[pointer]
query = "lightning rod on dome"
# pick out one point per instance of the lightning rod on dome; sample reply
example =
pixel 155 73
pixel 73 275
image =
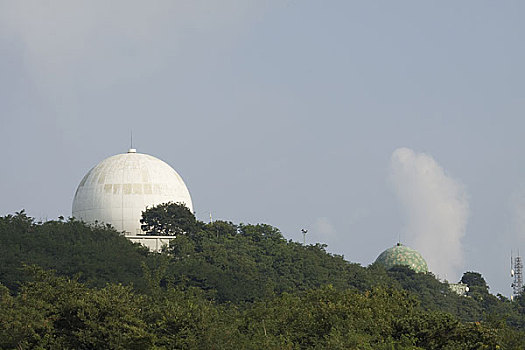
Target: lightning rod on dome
pixel 131 149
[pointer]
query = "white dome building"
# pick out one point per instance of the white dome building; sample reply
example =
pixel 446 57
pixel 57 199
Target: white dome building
pixel 119 188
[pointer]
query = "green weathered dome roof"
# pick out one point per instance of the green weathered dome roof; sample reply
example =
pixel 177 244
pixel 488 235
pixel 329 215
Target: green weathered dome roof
pixel 402 255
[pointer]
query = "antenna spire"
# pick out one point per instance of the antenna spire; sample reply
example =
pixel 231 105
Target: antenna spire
pixel 131 150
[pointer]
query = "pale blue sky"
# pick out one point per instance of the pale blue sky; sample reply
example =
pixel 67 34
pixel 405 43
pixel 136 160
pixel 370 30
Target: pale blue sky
pixel 283 112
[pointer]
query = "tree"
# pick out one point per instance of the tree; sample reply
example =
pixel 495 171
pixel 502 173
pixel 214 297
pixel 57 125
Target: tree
pixel 474 279
pixel 168 219
pixel 98 253
pixel 228 286
pixel 53 312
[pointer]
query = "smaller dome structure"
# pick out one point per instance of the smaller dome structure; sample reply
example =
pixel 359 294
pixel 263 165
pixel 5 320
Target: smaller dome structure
pixel 402 255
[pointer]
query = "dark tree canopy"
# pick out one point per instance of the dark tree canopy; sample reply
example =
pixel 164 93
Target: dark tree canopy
pixel 227 286
pixel 98 253
pixel 169 219
pixel 475 281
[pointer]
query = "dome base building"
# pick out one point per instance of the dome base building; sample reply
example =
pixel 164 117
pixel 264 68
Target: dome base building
pixel 118 189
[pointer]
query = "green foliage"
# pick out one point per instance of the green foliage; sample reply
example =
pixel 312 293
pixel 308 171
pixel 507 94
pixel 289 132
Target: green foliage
pixel 60 313
pixel 474 279
pixel 168 219
pixel 475 282
pixel 227 286
pixel 328 318
pixel 435 295
pixel 245 263
pixel 438 330
pixel 99 254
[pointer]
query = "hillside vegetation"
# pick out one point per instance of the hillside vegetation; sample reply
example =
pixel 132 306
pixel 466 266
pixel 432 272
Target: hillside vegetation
pixel 66 285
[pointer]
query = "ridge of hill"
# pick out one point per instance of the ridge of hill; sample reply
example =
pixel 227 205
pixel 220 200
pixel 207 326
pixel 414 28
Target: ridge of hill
pixel 246 274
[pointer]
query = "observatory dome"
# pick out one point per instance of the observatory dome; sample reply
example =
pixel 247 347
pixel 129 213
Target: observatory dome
pixel 119 188
pixel 402 255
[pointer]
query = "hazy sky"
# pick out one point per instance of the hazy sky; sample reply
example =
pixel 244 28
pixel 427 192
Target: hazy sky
pixel 361 121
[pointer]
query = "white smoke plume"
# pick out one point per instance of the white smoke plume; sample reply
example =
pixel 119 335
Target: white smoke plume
pixel 436 208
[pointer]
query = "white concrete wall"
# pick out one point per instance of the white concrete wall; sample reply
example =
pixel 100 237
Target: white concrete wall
pixel 153 243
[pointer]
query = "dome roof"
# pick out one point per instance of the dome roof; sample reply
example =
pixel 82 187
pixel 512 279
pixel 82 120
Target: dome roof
pixel 119 188
pixel 402 255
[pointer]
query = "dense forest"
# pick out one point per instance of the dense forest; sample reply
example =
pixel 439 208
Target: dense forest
pixel 220 285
